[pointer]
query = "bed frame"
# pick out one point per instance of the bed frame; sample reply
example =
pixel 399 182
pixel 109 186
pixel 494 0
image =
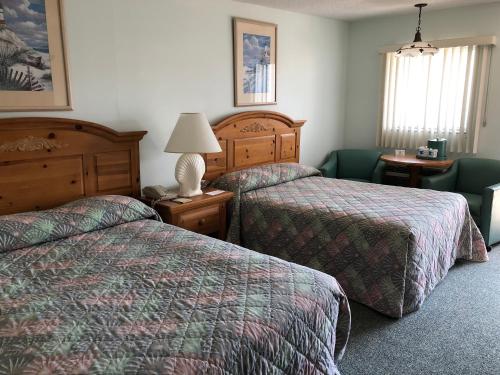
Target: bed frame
pixel 45 162
pixel 253 138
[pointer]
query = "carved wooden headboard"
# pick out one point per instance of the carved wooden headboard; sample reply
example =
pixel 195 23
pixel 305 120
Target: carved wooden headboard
pixel 45 162
pixel 253 138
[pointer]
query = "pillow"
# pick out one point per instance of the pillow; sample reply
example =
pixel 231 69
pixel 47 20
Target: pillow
pixel 85 215
pixel 263 176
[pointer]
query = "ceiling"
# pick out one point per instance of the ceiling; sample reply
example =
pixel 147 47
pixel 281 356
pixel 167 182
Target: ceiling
pixel 357 9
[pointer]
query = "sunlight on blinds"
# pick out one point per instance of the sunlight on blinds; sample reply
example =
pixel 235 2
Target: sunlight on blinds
pixel 435 96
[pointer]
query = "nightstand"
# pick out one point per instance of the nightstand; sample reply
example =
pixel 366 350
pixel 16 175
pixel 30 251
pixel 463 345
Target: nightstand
pixel 205 214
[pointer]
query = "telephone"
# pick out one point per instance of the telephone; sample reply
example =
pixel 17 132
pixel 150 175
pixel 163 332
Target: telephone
pixel 158 193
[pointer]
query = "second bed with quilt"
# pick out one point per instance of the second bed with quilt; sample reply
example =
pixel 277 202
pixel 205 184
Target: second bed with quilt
pixel 387 246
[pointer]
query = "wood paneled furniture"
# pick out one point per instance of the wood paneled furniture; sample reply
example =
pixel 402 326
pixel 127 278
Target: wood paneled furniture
pixel 46 162
pixel 416 165
pixel 253 138
pixel 205 214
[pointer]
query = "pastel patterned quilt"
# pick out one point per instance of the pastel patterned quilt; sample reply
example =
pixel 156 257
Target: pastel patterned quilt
pixel 100 286
pixel 387 246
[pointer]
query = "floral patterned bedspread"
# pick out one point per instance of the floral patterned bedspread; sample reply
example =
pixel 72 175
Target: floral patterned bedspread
pixel 100 286
pixel 387 246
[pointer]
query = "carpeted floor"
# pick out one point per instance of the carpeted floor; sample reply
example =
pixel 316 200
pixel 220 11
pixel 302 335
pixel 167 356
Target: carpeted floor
pixel 457 330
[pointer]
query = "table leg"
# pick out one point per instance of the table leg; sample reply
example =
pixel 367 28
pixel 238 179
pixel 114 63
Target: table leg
pixel 414 175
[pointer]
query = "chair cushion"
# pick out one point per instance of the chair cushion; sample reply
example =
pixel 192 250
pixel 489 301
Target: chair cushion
pixel 476 174
pixel 475 201
pixel 357 164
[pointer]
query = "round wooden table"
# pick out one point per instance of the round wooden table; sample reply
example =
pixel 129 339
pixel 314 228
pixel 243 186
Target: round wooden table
pixel 415 165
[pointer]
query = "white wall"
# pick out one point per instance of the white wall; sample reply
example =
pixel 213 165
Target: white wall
pixel 136 64
pixel 363 84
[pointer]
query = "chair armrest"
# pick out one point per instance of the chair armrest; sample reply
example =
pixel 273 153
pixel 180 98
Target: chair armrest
pixel 443 182
pixel 490 214
pixel 329 169
pixel 378 172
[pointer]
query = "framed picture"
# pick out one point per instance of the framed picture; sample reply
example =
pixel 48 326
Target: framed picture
pixel 255 46
pixel 33 67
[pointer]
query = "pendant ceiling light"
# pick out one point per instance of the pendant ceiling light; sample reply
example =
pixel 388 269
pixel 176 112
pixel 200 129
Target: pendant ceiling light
pixel 417 47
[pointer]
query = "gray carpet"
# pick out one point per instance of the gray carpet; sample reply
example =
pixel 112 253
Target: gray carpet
pixel 456 331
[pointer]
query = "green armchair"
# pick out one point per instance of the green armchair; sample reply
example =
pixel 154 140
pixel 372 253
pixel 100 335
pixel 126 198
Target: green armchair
pixel 478 180
pixel 357 165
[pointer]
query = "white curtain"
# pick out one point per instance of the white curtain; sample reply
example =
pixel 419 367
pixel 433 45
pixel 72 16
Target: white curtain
pixel 435 96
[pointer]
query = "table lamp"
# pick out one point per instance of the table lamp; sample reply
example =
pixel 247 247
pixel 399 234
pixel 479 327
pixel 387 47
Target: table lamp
pixel 192 135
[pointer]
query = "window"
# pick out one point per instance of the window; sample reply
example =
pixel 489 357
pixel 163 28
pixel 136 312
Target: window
pixel 435 96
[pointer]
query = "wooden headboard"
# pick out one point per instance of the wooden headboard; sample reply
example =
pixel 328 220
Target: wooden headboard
pixel 253 138
pixel 45 162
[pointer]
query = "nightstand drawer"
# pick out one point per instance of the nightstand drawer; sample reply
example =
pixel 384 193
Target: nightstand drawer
pixel 205 214
pixel 204 220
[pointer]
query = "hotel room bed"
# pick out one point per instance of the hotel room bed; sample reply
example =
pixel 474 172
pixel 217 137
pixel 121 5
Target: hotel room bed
pixel 387 246
pixel 99 285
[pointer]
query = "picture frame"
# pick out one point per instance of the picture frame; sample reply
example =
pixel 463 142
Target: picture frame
pixel 35 74
pixel 255 62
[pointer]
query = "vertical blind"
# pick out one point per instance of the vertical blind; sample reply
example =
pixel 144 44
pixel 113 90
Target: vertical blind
pixel 440 96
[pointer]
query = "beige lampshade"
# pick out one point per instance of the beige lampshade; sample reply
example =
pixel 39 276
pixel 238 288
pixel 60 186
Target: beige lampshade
pixel 192 134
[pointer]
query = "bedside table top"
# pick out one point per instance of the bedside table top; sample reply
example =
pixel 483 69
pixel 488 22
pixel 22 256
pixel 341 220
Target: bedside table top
pixel 197 201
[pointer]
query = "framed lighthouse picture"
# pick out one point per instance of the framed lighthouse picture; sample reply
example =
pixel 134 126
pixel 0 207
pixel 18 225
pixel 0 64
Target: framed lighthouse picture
pixel 255 46
pixel 33 66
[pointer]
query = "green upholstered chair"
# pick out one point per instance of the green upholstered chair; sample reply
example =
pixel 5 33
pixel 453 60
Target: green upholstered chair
pixel 478 180
pixel 356 165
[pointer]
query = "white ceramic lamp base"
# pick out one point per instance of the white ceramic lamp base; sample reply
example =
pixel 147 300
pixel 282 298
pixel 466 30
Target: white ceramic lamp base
pixel 189 171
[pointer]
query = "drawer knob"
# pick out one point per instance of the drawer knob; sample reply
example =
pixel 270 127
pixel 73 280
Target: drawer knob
pixel 202 221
